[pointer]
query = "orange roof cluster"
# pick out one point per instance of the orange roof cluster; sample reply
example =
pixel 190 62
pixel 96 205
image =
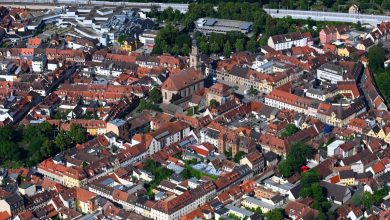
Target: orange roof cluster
pixel 121 58
pixel 49 166
pixel 85 123
pixel 84 195
pixel 349 87
pixel 289 98
pixel 35 41
pixel 358 122
pixel 380 165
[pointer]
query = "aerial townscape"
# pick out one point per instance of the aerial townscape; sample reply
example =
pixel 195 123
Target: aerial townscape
pixel 194 110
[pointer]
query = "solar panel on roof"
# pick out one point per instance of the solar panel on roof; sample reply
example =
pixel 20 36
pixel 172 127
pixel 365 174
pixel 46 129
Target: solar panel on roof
pixel 107 182
pixel 165 133
pixel 184 143
pixel 245 25
pixel 210 22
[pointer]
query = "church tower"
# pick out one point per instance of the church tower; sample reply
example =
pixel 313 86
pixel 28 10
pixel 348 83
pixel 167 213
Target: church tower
pixel 194 56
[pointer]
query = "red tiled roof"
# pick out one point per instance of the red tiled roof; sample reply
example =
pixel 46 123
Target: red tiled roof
pixel 182 79
pixel 84 195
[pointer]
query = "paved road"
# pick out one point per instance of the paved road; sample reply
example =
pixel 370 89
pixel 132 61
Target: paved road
pixel 328 16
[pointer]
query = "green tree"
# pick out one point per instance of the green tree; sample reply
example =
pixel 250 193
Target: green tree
pixel 214 103
pixel 185 49
pixel 240 45
pixel 203 47
pixel 227 50
pixel 155 95
pixel 144 105
pixel 8 151
pixel 238 156
pixel 376 58
pixel 214 47
pixel 6 133
pixel 285 168
pixel 63 141
pixel 290 130
pixel 175 50
pixel 78 134
pixel 275 214
pixel 295 158
pixel 251 45
pixel 309 177
pixel 367 200
pixel 169 40
pixel 68 139
pixel 122 38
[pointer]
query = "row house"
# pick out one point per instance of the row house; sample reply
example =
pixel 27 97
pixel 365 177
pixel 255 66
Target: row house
pixel 233 178
pixel 286 41
pixel 20 53
pixel 132 155
pixel 166 135
pixel 147 61
pixel 380 33
pixel 93 127
pixel 76 56
pixel 99 92
pixel 332 114
pixel 99 56
pixel 114 68
pixel 170 62
pixel 183 204
pixel 270 142
pixel 228 139
pixel 374 99
pixel 52 171
pixel 379 168
pixel 285 100
pixel 23 106
pixel 255 160
pixel 131 58
pixel 339 116
pixel 332 33
pixel 12 204
pixel 75 176
pixel 105 188
pixel 249 78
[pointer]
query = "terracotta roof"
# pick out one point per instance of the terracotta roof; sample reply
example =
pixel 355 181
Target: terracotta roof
pixel 84 195
pixel 182 80
pixel 358 122
pixel 254 156
pixel 4 215
pixel 300 211
pixel 35 41
pixel 335 179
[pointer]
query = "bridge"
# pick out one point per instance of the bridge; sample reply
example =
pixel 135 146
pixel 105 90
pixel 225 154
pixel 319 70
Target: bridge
pixel 183 8
pixel 328 16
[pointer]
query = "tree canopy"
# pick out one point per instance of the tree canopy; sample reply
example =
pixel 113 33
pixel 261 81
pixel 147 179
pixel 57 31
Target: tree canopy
pixel 29 145
pixel 275 214
pixel 155 95
pixel 376 58
pixel 295 158
pixel 367 200
pixel 214 103
pixel 310 187
pixel 169 40
pixel 290 130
